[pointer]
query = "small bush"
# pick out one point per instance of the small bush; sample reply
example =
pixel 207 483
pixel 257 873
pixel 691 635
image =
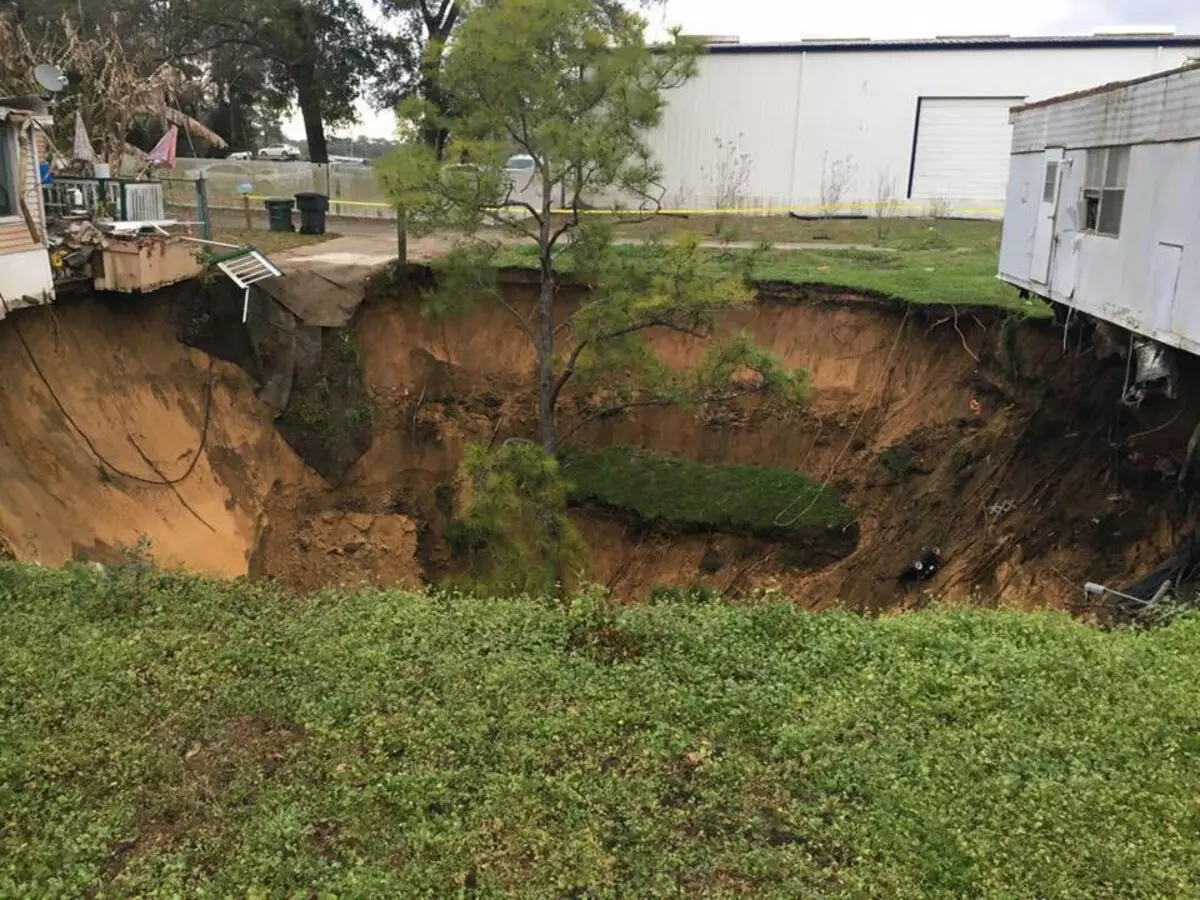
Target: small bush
pixel 514 521
pixel 698 594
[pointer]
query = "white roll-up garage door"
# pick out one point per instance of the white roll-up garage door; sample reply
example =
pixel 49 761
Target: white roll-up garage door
pixel 962 150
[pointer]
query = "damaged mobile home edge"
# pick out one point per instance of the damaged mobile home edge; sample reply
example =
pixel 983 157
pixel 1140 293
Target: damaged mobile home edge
pixel 1102 216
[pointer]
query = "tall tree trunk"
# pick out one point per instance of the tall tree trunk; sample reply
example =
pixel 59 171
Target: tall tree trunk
pixel 440 20
pixel 309 95
pixel 546 399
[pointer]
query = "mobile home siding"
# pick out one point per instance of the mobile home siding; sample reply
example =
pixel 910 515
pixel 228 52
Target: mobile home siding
pixel 1152 111
pixel 25 275
pixel 30 188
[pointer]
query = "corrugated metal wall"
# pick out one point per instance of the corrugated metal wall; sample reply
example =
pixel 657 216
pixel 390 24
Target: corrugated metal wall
pixel 774 123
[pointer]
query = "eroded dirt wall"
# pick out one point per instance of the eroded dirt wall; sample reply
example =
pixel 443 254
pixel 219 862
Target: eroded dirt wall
pixel 937 426
pixel 1009 455
pixel 121 374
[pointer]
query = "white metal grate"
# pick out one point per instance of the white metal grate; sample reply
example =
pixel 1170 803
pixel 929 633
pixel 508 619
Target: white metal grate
pixel 245 270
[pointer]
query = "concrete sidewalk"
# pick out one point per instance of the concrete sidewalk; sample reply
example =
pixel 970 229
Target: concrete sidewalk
pixel 322 284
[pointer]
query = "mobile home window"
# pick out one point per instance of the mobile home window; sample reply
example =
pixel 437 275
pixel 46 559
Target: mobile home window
pixel 1050 188
pixel 1104 189
pixel 8 170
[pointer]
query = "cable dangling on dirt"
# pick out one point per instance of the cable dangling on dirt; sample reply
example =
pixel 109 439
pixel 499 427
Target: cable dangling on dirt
pixel 155 482
pixel 887 366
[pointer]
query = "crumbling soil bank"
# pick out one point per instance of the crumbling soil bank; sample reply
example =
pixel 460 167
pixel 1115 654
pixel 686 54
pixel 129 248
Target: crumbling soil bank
pixel 940 427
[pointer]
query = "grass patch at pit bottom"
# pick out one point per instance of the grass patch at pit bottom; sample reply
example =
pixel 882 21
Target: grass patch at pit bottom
pixel 659 487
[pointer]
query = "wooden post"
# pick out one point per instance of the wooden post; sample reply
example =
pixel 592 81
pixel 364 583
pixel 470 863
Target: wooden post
pixel 202 207
pixel 246 207
pixel 401 237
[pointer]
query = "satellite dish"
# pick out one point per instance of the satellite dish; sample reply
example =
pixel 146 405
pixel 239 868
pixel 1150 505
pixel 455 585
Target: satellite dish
pixel 50 77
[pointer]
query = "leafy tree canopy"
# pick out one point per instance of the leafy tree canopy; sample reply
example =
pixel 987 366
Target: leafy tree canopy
pixel 573 86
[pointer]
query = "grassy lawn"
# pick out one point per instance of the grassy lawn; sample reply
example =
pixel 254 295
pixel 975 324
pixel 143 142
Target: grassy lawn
pixel 270 241
pixel 164 736
pixel 944 274
pixel 658 486
pixel 965 277
pixel 902 233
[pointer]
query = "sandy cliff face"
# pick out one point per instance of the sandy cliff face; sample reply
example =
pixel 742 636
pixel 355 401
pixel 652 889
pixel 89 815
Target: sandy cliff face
pixel 142 399
pixel 1030 481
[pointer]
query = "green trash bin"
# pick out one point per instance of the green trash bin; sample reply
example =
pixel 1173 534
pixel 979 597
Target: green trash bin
pixel 312 208
pixel 279 213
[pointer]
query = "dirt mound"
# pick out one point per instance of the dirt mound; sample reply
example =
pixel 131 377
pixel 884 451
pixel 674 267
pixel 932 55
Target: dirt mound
pixel 306 549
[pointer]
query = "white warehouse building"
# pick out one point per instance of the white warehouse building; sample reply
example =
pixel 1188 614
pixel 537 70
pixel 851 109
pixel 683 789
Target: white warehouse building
pixel 764 126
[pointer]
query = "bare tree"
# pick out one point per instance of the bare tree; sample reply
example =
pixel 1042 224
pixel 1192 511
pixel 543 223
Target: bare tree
pixel 836 176
pixel 938 208
pixel 886 204
pixel 731 175
pixel 113 83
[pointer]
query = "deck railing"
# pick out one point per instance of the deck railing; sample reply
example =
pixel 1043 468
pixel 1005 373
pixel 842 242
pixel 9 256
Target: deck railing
pixel 120 199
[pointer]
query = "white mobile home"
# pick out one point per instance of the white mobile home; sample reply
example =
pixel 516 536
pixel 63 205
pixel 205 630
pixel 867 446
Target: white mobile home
pixel 25 276
pixel 1103 207
pixel 763 125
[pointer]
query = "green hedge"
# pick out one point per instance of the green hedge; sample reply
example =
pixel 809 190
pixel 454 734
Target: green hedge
pixel 658 486
pixel 164 736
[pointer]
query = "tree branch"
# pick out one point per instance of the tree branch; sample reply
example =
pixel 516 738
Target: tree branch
pixel 516 314
pixel 634 404
pixel 569 368
pixel 610 410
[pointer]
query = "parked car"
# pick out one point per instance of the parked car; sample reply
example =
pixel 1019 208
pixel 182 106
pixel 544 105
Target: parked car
pixel 240 154
pixel 349 161
pixel 521 162
pixel 279 151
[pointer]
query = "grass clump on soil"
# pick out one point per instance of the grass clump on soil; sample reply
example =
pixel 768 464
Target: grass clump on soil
pixel 329 419
pixel 169 736
pixel 656 486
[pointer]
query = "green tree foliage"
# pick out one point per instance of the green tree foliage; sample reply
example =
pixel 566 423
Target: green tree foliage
pixel 515 521
pixel 416 56
pixel 417 53
pixel 315 53
pixel 572 85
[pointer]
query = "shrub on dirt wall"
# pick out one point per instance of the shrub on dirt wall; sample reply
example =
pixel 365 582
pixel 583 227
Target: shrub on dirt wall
pixel 514 528
pixel 329 419
pixel 163 735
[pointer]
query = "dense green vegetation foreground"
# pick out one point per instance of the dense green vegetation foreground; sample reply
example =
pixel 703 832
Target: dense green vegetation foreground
pixel 162 735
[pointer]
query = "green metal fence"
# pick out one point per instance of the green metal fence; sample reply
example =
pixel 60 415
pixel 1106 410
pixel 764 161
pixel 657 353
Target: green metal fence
pixel 186 199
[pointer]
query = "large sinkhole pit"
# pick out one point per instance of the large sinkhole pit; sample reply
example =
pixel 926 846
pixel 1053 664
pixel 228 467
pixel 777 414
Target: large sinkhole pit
pixel 924 427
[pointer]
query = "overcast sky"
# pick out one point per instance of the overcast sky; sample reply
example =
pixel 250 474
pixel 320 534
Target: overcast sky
pixel 789 20
pixel 784 20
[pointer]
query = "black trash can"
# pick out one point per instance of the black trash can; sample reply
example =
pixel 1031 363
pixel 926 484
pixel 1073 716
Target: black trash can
pixel 312 208
pixel 279 213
